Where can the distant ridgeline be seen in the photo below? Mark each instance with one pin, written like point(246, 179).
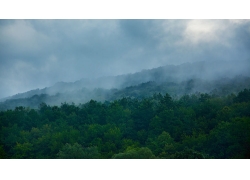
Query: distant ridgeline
point(215, 78)
point(222, 87)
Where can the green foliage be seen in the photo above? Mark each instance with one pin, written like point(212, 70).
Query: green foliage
point(76, 151)
point(189, 154)
point(23, 151)
point(243, 96)
point(192, 126)
point(161, 145)
point(3, 154)
point(135, 153)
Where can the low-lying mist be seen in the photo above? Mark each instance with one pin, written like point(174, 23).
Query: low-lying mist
point(221, 78)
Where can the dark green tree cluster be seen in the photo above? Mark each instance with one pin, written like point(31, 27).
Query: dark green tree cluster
point(193, 126)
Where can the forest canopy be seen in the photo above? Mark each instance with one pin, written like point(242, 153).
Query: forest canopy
point(193, 126)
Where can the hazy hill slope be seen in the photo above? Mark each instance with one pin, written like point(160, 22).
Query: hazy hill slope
point(206, 77)
point(220, 87)
point(212, 70)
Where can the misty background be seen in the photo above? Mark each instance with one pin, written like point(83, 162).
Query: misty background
point(40, 53)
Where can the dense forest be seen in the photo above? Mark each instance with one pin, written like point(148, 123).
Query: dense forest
point(160, 126)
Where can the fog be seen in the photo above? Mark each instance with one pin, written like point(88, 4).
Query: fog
point(40, 53)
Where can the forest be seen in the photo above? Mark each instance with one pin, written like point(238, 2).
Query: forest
point(219, 87)
point(194, 126)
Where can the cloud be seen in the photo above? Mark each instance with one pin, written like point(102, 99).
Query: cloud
point(215, 32)
point(20, 38)
point(202, 31)
point(39, 53)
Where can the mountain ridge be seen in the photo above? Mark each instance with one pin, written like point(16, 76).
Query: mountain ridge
point(182, 72)
point(173, 79)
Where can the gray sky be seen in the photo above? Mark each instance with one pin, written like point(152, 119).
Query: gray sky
point(39, 53)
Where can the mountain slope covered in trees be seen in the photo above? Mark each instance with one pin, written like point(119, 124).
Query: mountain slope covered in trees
point(220, 87)
point(186, 111)
point(193, 126)
point(218, 78)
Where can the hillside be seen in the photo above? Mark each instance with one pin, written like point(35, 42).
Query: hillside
point(192, 127)
point(218, 78)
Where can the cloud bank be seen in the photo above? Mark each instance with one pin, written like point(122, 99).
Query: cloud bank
point(39, 53)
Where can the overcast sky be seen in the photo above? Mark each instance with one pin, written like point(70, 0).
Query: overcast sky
point(39, 53)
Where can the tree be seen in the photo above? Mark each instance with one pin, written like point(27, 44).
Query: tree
point(135, 153)
point(76, 151)
point(23, 151)
point(243, 96)
point(143, 114)
point(3, 154)
point(166, 102)
point(163, 144)
point(189, 154)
